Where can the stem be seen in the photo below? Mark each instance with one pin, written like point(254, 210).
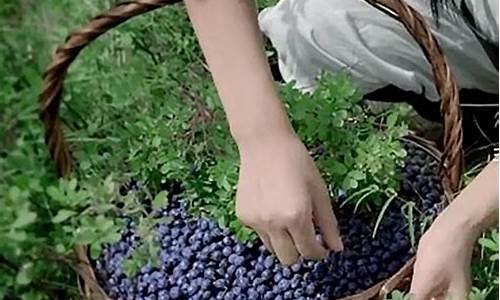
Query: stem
point(363, 198)
point(351, 197)
point(381, 214)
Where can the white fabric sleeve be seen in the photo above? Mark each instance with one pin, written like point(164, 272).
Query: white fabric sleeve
point(351, 36)
point(485, 14)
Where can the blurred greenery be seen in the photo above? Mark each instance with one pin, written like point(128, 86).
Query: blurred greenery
point(138, 104)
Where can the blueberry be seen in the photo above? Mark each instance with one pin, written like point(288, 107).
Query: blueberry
point(237, 290)
point(351, 286)
point(239, 260)
point(184, 265)
point(252, 294)
point(227, 241)
point(362, 271)
point(209, 274)
point(231, 269)
point(219, 283)
point(229, 296)
point(241, 271)
point(269, 262)
point(205, 284)
point(261, 289)
point(295, 281)
point(310, 290)
point(368, 282)
point(192, 289)
point(298, 293)
point(216, 255)
point(174, 293)
point(266, 274)
point(284, 284)
point(243, 282)
point(296, 267)
point(227, 251)
point(269, 296)
point(373, 268)
point(251, 274)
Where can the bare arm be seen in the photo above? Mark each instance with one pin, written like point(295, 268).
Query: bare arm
point(444, 254)
point(280, 191)
point(476, 208)
point(232, 44)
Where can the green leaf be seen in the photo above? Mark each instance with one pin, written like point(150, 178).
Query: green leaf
point(349, 183)
point(16, 235)
point(24, 275)
point(161, 200)
point(357, 175)
point(337, 167)
point(24, 218)
point(156, 141)
point(63, 215)
point(55, 193)
point(95, 250)
point(487, 243)
point(85, 236)
point(392, 119)
point(225, 184)
point(72, 184)
point(60, 248)
point(14, 193)
point(131, 267)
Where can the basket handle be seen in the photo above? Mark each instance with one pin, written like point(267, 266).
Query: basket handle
point(452, 158)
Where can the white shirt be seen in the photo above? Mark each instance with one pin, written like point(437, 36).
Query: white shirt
point(311, 36)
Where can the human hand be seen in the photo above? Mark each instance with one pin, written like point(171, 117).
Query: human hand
point(281, 195)
point(442, 268)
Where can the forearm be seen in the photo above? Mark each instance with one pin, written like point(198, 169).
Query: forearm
point(476, 208)
point(232, 43)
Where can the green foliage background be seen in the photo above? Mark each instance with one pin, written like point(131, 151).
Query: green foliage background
point(138, 104)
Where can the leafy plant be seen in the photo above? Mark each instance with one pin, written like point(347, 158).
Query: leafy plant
point(398, 295)
point(485, 269)
point(361, 152)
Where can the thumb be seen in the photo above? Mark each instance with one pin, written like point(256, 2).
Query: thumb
point(324, 217)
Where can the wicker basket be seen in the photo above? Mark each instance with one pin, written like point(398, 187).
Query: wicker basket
point(450, 156)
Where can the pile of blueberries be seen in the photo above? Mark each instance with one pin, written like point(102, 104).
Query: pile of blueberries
point(421, 181)
point(200, 260)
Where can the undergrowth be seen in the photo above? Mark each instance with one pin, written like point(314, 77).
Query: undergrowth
point(139, 105)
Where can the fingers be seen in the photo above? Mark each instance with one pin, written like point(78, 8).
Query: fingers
point(305, 241)
point(324, 217)
point(426, 295)
point(265, 240)
point(284, 247)
point(425, 289)
point(427, 283)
